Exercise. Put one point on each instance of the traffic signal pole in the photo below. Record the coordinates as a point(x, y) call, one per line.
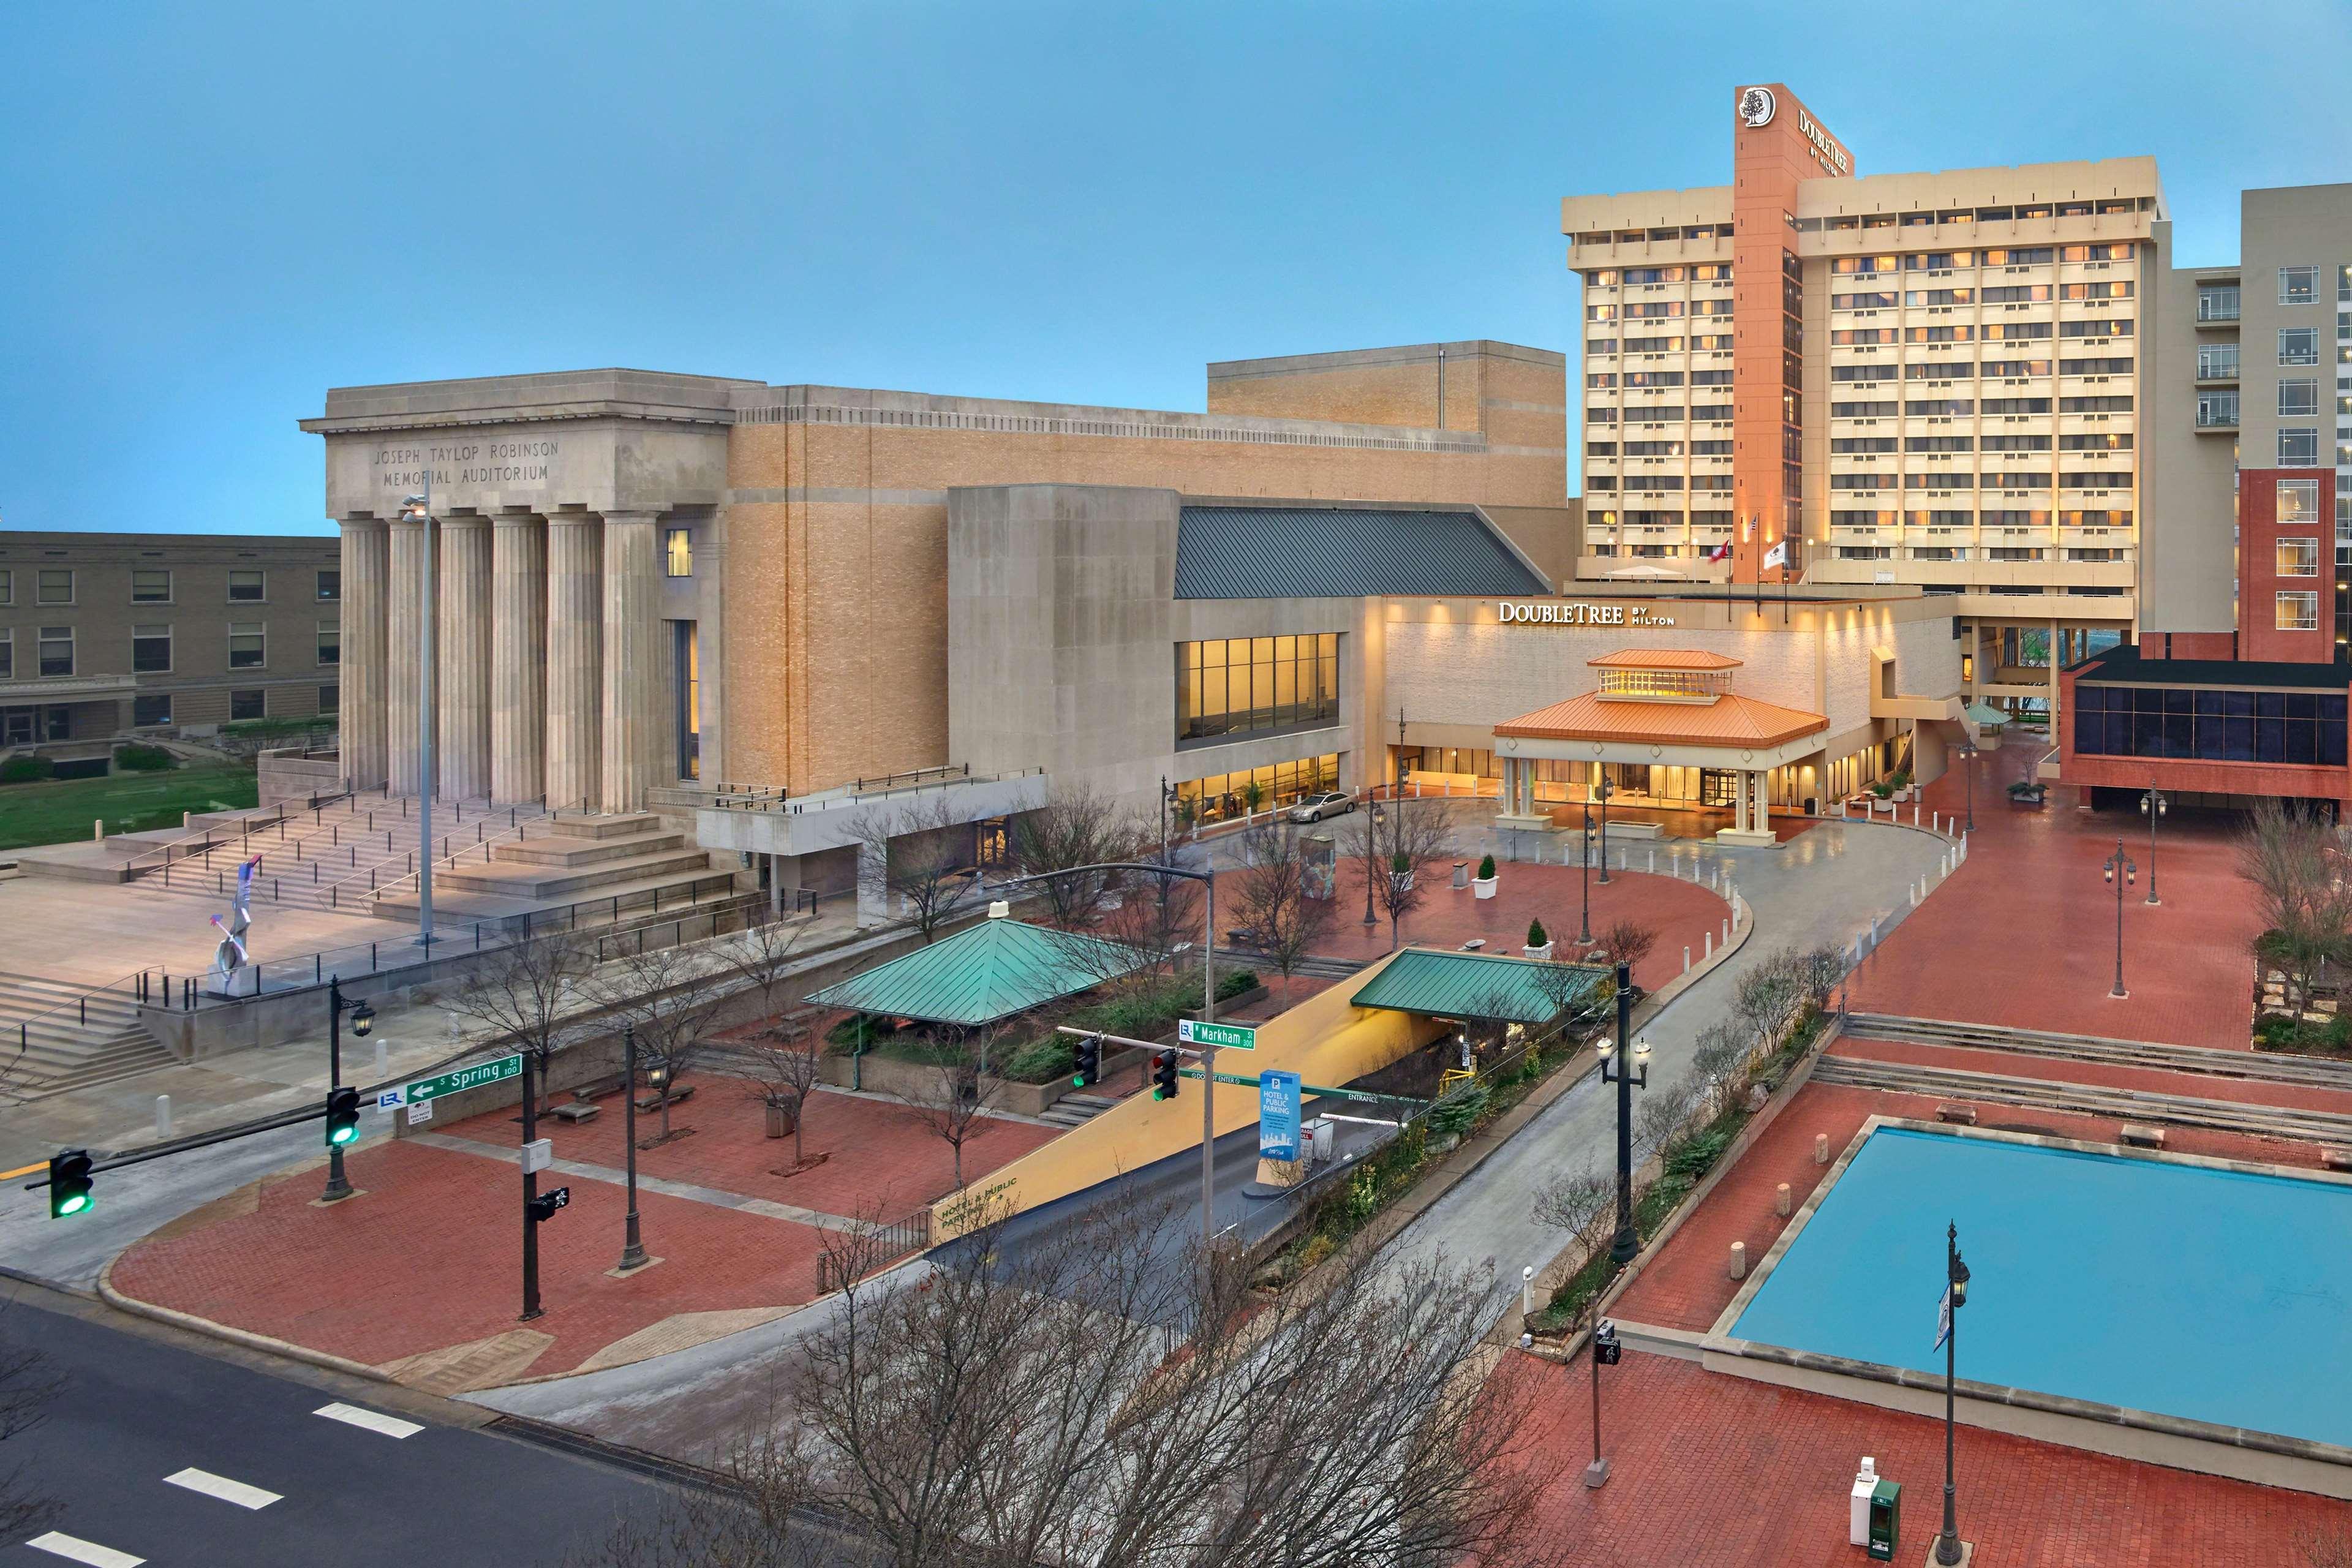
point(531, 1194)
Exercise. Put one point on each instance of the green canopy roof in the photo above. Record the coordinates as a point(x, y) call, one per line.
point(984, 972)
point(1983, 714)
point(1477, 985)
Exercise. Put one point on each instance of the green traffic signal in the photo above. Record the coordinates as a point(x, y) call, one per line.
point(342, 1116)
point(69, 1184)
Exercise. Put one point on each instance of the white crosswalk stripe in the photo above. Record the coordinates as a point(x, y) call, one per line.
point(221, 1487)
point(80, 1551)
point(351, 1415)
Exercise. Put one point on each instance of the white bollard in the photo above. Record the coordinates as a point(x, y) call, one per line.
point(1654, 862)
point(1821, 1148)
point(1685, 958)
point(1527, 1291)
point(163, 1116)
point(1621, 859)
point(1711, 946)
point(1781, 1201)
point(1739, 1261)
point(186, 817)
point(1914, 814)
point(383, 1070)
point(98, 829)
point(1726, 934)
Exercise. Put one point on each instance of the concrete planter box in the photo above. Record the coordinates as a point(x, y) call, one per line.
point(1484, 887)
point(1540, 954)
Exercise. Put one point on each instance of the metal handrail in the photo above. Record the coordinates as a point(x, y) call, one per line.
point(319, 825)
point(136, 980)
point(334, 888)
point(244, 831)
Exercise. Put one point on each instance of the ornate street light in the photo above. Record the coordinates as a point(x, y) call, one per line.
point(2153, 805)
point(1956, 1296)
point(2119, 861)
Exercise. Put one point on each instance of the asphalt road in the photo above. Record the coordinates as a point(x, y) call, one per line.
point(136, 1410)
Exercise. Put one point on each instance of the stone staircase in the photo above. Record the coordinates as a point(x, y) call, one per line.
point(631, 863)
point(1077, 1110)
point(2266, 1067)
point(70, 1037)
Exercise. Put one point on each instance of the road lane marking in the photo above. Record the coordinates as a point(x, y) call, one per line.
point(80, 1551)
point(351, 1415)
point(221, 1487)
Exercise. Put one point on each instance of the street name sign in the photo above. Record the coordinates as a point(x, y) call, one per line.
point(416, 1092)
point(1222, 1036)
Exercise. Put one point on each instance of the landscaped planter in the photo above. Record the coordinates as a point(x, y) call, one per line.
point(780, 1121)
point(1540, 954)
point(1484, 887)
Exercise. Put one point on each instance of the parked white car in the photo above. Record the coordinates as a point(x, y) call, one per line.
point(1316, 807)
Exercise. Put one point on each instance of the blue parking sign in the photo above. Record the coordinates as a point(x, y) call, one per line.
point(1277, 1116)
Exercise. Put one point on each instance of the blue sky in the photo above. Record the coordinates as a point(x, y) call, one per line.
point(210, 214)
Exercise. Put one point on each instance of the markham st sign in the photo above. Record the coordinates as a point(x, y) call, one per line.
point(1577, 613)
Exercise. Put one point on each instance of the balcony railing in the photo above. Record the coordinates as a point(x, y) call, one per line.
point(2216, 310)
point(2217, 419)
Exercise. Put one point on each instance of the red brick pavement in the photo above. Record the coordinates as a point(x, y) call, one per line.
point(2023, 934)
point(1713, 1471)
point(2013, 1064)
point(1688, 1285)
point(883, 1159)
point(1680, 912)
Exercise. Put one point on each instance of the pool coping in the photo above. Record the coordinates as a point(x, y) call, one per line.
point(2269, 1458)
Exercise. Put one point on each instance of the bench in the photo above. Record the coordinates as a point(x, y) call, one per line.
point(2333, 1159)
point(576, 1110)
point(1966, 1115)
point(2140, 1137)
point(678, 1094)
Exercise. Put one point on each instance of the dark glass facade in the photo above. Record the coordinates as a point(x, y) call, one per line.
point(1242, 686)
point(2300, 727)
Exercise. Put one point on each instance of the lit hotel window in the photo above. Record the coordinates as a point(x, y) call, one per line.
point(678, 559)
point(1244, 684)
point(2298, 557)
point(2298, 611)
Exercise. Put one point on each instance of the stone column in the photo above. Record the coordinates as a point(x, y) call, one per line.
point(463, 655)
point(411, 556)
point(635, 662)
point(367, 578)
point(576, 659)
point(518, 659)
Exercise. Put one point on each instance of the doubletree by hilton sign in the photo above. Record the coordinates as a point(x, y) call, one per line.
point(1578, 612)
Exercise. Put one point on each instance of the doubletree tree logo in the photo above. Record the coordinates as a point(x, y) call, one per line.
point(1756, 106)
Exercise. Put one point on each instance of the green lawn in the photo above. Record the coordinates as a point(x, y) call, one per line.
point(62, 812)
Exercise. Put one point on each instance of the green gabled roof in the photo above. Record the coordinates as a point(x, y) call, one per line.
point(1984, 715)
point(1472, 986)
point(984, 972)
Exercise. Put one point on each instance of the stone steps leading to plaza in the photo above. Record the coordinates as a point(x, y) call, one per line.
point(566, 851)
point(1077, 1110)
point(2262, 1066)
point(568, 884)
point(2088, 1099)
point(46, 1044)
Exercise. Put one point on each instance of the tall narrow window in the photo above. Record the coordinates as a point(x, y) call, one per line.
point(686, 660)
point(151, 650)
point(677, 556)
point(330, 643)
point(56, 651)
point(247, 645)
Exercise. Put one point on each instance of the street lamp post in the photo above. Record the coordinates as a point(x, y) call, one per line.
point(1617, 1068)
point(1601, 793)
point(2119, 861)
point(1956, 1295)
point(418, 509)
point(1969, 756)
point(1584, 867)
point(2153, 805)
point(1371, 860)
point(633, 1246)
point(362, 1024)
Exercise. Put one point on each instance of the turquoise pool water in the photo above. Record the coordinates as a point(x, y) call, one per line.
point(2200, 1293)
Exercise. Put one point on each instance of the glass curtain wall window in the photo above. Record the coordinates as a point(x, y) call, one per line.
point(2300, 727)
point(1248, 685)
point(1223, 796)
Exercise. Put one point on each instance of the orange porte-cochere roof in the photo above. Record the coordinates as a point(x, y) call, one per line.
point(1729, 720)
point(1664, 658)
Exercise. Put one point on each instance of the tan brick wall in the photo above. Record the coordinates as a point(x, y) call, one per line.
point(836, 651)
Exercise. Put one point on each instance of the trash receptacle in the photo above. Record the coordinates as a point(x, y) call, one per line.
point(1885, 1521)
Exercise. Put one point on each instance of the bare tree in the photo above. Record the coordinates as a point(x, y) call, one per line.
point(531, 995)
point(2325, 1548)
point(1571, 988)
point(1159, 916)
point(1273, 897)
point(925, 853)
point(2304, 898)
point(1401, 845)
point(1077, 827)
point(1768, 996)
point(785, 1061)
point(1628, 941)
point(952, 1095)
point(29, 1381)
point(671, 996)
point(1583, 1206)
point(942, 1418)
point(1665, 1110)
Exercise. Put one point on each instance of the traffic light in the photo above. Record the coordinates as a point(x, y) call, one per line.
point(1089, 1071)
point(69, 1182)
point(1163, 1076)
point(342, 1116)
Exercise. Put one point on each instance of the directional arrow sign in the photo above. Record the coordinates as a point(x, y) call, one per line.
point(434, 1087)
point(1224, 1037)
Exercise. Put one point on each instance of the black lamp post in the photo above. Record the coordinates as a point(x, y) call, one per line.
point(633, 1246)
point(2119, 861)
point(1371, 860)
point(1584, 863)
point(1969, 756)
point(1955, 1277)
point(362, 1026)
point(1601, 793)
point(2153, 805)
point(1615, 1068)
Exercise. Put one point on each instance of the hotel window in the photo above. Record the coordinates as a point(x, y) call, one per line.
point(2108, 365)
point(2298, 285)
point(2096, 328)
point(2217, 361)
point(2298, 345)
point(2298, 557)
point(330, 643)
point(2121, 252)
point(1223, 796)
point(2298, 611)
point(2029, 256)
point(2298, 501)
point(2115, 291)
point(149, 711)
point(151, 650)
point(1938, 296)
point(2298, 449)
point(1705, 341)
point(2298, 399)
point(2216, 302)
point(2300, 727)
point(57, 650)
point(247, 703)
point(1601, 378)
point(151, 586)
point(2018, 332)
point(56, 586)
point(1863, 264)
point(2217, 409)
point(247, 587)
point(331, 584)
point(1938, 260)
point(247, 648)
point(330, 699)
point(1245, 685)
point(2092, 443)
point(2016, 294)
point(677, 556)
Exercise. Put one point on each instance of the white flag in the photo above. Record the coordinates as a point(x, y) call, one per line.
point(1944, 1318)
point(1778, 555)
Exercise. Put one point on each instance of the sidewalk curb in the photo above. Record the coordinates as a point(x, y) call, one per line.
point(243, 1338)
